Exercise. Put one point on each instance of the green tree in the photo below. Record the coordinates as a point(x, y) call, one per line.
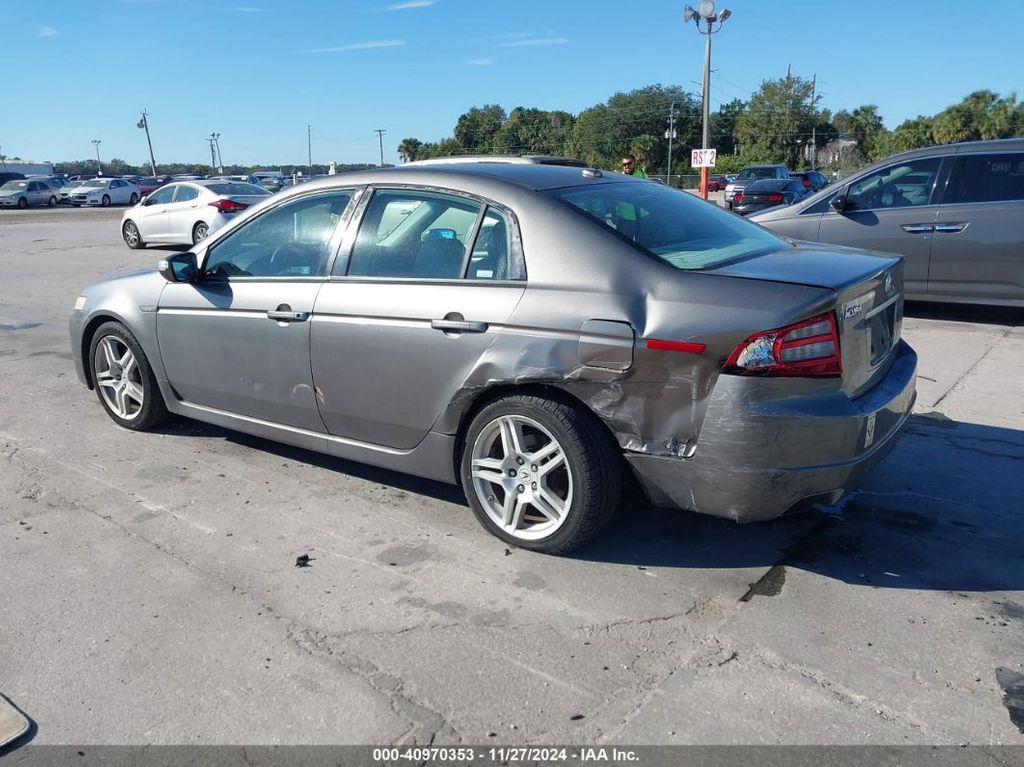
point(722, 126)
point(477, 130)
point(777, 123)
point(410, 149)
point(913, 134)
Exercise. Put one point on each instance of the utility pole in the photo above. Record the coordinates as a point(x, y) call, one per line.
point(99, 167)
point(380, 137)
point(814, 122)
point(309, 147)
point(213, 154)
point(220, 159)
point(670, 134)
point(144, 123)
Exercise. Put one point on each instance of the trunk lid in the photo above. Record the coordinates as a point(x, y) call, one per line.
point(868, 304)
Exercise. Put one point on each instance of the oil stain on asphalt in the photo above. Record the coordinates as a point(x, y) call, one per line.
point(1013, 697)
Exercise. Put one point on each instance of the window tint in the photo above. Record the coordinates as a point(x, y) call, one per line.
point(236, 188)
point(987, 178)
point(291, 240)
point(163, 195)
point(675, 226)
point(903, 185)
point(413, 234)
point(186, 193)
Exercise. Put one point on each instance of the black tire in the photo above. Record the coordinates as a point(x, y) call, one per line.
point(105, 202)
point(22, 202)
point(134, 199)
point(130, 235)
point(199, 232)
point(591, 461)
point(153, 410)
point(52, 202)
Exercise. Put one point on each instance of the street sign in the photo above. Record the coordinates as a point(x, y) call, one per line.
point(671, 134)
point(703, 158)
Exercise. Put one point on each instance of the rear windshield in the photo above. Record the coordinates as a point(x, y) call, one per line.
point(768, 172)
point(675, 226)
point(238, 188)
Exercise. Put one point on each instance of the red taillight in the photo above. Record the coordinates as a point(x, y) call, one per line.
point(806, 181)
point(808, 348)
point(229, 206)
point(775, 197)
point(738, 197)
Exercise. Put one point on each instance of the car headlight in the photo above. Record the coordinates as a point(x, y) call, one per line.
point(80, 303)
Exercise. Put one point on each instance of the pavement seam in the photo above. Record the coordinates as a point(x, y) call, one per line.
point(969, 370)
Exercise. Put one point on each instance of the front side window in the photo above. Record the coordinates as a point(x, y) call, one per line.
point(987, 178)
point(904, 185)
point(675, 226)
point(162, 196)
point(291, 240)
point(412, 233)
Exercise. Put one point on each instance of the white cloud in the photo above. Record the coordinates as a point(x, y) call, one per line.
point(484, 62)
point(356, 46)
point(45, 31)
point(534, 41)
point(410, 4)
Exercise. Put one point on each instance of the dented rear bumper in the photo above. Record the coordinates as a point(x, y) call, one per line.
point(762, 450)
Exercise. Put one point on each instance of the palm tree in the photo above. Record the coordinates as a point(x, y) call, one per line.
point(409, 149)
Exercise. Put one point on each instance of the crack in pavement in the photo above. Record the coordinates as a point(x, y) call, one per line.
point(977, 362)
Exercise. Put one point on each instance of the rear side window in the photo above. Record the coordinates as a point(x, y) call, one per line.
point(186, 193)
point(987, 178)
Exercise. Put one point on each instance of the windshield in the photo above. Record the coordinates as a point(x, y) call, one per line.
point(11, 186)
point(675, 226)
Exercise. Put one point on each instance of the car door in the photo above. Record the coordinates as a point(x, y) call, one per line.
point(34, 193)
point(978, 246)
point(237, 341)
point(151, 216)
point(183, 213)
point(429, 281)
point(892, 209)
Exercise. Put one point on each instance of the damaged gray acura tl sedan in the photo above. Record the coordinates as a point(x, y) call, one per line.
point(529, 330)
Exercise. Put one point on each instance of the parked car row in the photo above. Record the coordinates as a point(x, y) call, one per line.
point(810, 180)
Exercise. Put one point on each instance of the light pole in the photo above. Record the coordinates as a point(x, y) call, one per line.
point(706, 12)
point(213, 154)
point(99, 167)
point(309, 148)
point(380, 138)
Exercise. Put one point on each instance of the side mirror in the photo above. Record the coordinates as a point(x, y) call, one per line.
point(181, 267)
point(144, 200)
point(838, 203)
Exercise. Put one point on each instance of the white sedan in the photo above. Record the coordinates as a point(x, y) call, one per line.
point(105, 192)
point(186, 211)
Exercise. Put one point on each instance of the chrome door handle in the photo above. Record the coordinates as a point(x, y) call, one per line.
point(917, 228)
point(459, 326)
point(287, 316)
point(950, 228)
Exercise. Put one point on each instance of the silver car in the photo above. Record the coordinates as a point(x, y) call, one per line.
point(529, 331)
point(22, 194)
point(955, 213)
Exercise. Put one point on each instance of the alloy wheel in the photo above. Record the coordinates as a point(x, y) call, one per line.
point(521, 477)
point(119, 377)
point(131, 234)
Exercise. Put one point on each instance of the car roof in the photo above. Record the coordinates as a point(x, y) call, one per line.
point(526, 159)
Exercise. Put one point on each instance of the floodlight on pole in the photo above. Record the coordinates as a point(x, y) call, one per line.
point(99, 166)
point(706, 12)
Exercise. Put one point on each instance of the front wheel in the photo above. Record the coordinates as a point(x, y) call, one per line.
point(540, 473)
point(199, 232)
point(124, 380)
point(22, 202)
point(131, 235)
point(52, 202)
point(105, 202)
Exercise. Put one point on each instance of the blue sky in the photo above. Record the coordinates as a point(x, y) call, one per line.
point(259, 71)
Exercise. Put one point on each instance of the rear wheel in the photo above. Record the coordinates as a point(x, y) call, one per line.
point(130, 233)
point(540, 473)
point(134, 199)
point(124, 380)
point(199, 232)
point(52, 202)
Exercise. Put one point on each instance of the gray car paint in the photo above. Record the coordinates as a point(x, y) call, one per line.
point(969, 253)
point(681, 423)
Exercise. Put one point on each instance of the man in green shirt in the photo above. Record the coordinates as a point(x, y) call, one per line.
point(630, 168)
